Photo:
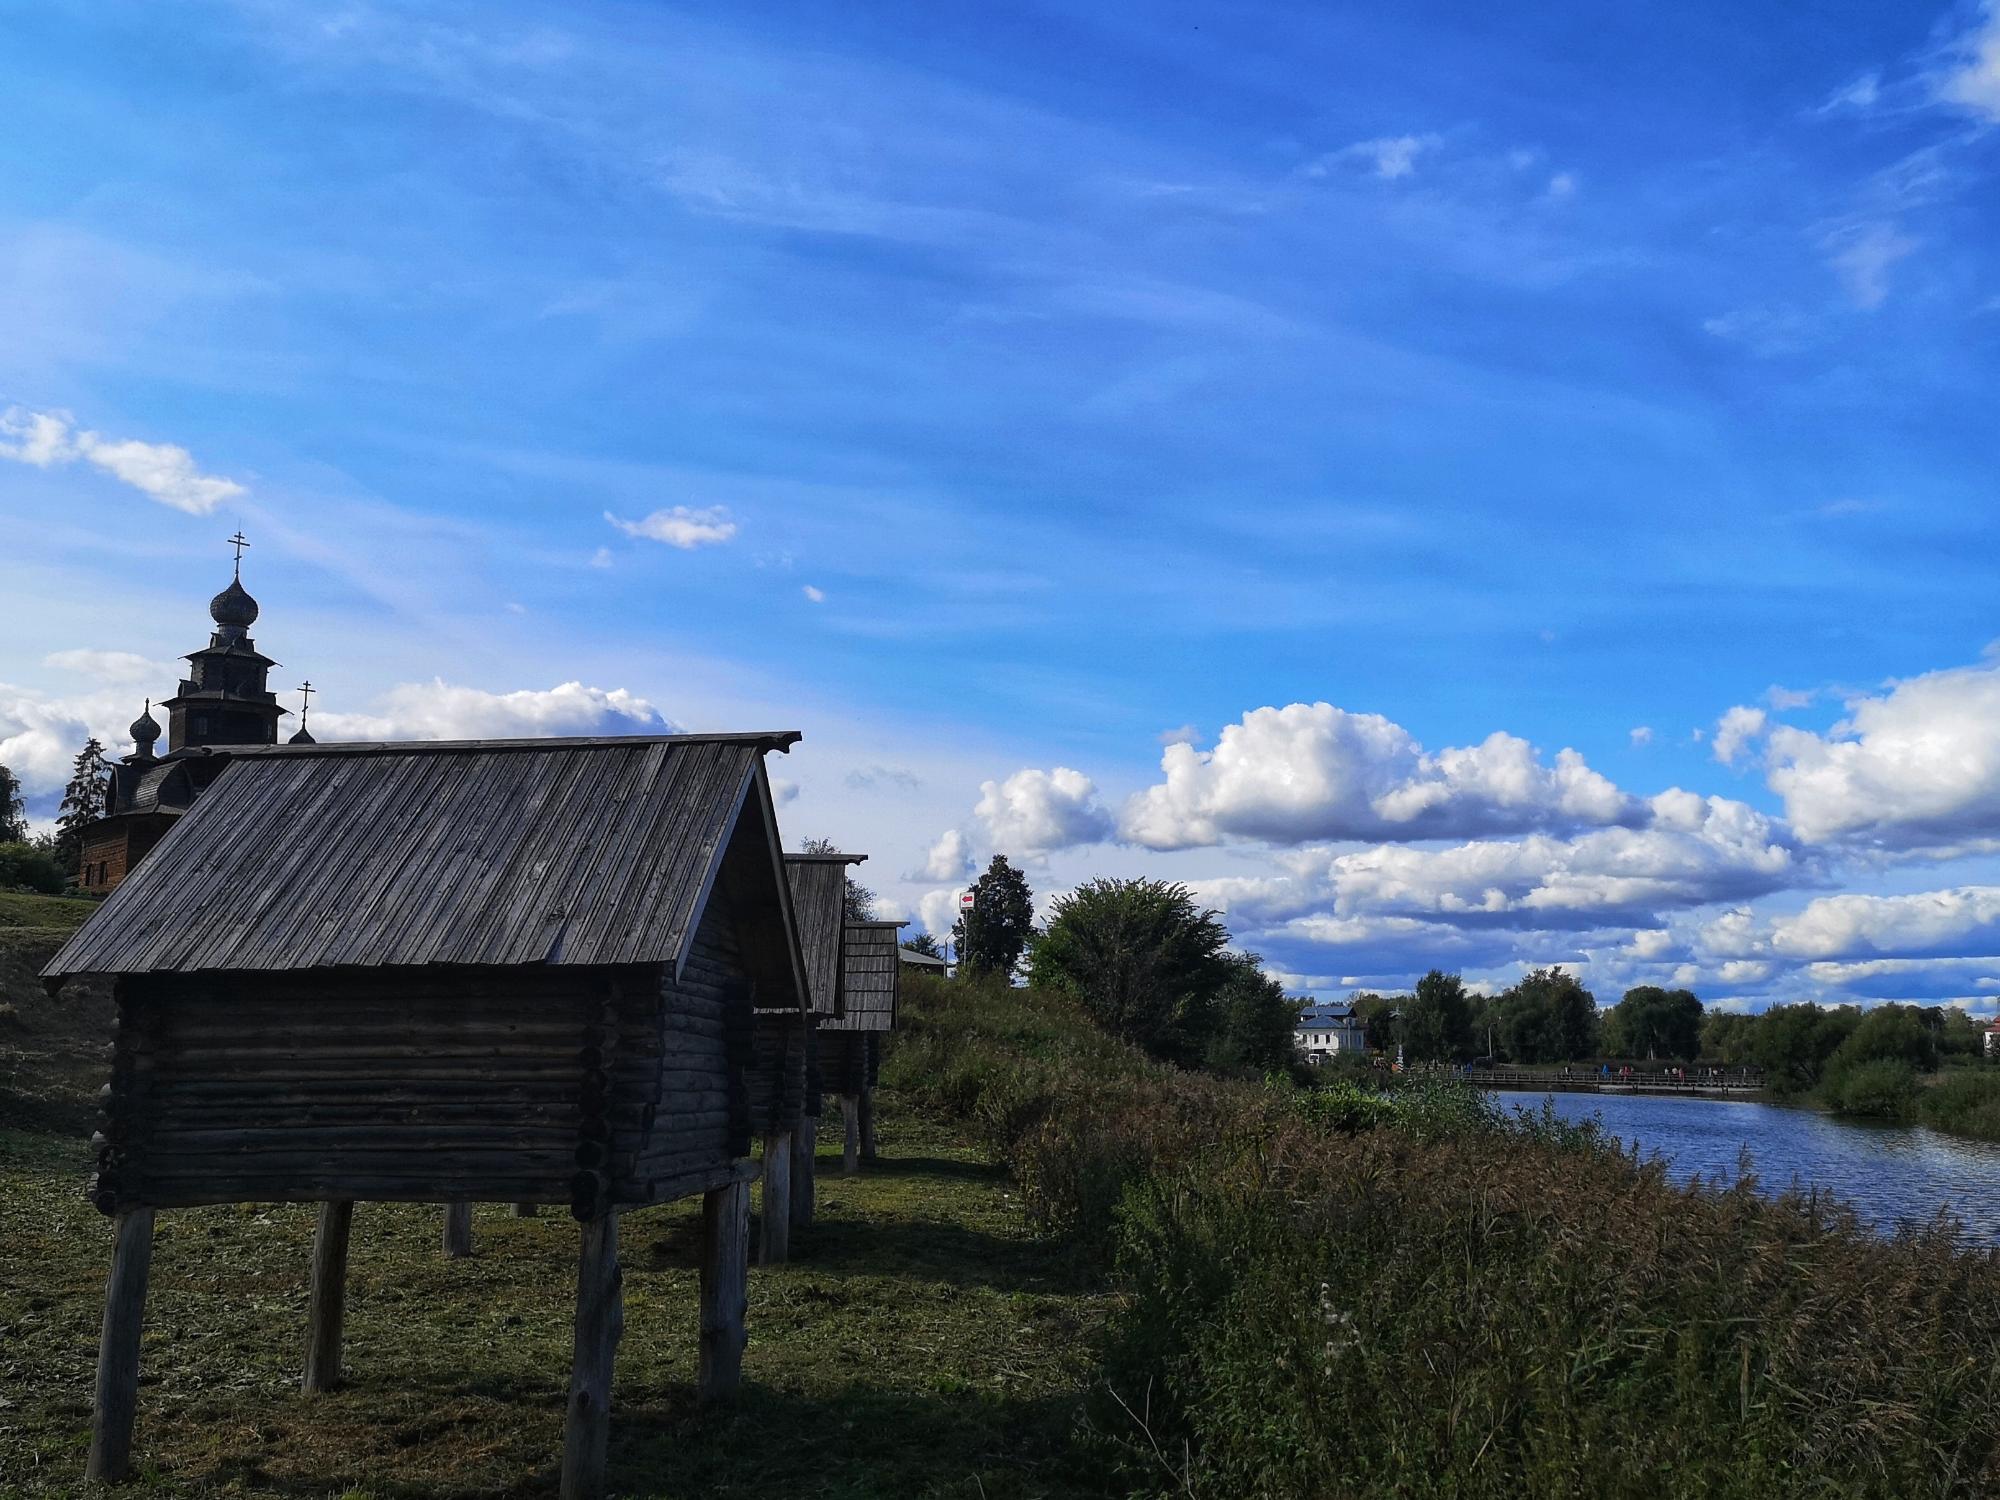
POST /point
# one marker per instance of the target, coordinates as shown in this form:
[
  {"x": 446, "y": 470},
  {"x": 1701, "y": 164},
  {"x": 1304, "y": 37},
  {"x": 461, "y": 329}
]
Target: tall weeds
[{"x": 1418, "y": 1294}]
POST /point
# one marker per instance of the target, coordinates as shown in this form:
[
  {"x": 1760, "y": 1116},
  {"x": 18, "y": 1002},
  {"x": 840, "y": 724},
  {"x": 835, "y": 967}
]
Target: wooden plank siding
[{"x": 871, "y": 977}]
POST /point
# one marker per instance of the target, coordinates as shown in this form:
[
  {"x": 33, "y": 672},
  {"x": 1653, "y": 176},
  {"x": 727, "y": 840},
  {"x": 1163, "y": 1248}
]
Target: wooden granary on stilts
[
  {"x": 819, "y": 900},
  {"x": 523, "y": 971},
  {"x": 850, "y": 1046}
]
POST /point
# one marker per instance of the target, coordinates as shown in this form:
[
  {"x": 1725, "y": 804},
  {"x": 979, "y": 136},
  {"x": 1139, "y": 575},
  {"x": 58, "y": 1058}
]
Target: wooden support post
[
  {"x": 526, "y": 1210},
  {"x": 867, "y": 1124},
  {"x": 850, "y": 1117},
  {"x": 725, "y": 1279},
  {"x": 774, "y": 1222},
  {"x": 457, "y": 1231},
  {"x": 805, "y": 1142},
  {"x": 118, "y": 1350},
  {"x": 328, "y": 1308},
  {"x": 600, "y": 1322}
]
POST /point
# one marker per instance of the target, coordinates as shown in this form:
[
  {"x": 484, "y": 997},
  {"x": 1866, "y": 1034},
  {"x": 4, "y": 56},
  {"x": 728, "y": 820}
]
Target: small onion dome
[
  {"x": 233, "y": 606},
  {"x": 303, "y": 737},
  {"x": 145, "y": 729}
]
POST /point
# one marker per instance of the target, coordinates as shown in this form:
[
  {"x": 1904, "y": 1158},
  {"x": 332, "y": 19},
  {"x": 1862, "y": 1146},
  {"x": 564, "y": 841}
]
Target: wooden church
[
  {"x": 525, "y": 971},
  {"x": 225, "y": 700}
]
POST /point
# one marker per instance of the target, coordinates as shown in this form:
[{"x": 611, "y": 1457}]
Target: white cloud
[
  {"x": 1862, "y": 255},
  {"x": 685, "y": 527},
  {"x": 1694, "y": 851},
  {"x": 1972, "y": 81},
  {"x": 937, "y": 911},
  {"x": 1735, "y": 731},
  {"x": 162, "y": 471},
  {"x": 817, "y": 596},
  {"x": 1308, "y": 772},
  {"x": 1917, "y": 767},
  {"x": 1862, "y": 94},
  {"x": 1037, "y": 812},
  {"x": 950, "y": 858},
  {"x": 442, "y": 711},
  {"x": 1964, "y": 920},
  {"x": 784, "y": 791},
  {"x": 1562, "y": 185},
  {"x": 1783, "y": 699},
  {"x": 119, "y": 668},
  {"x": 601, "y": 558},
  {"x": 1389, "y": 157},
  {"x": 1642, "y": 736}
]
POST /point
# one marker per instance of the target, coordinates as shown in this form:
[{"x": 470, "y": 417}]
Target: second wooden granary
[
  {"x": 849, "y": 1047},
  {"x": 819, "y": 899},
  {"x": 521, "y": 971}
]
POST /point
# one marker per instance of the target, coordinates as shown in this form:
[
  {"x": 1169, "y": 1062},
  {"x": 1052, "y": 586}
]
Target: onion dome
[
  {"x": 303, "y": 737},
  {"x": 233, "y": 607},
  {"x": 145, "y": 729}
]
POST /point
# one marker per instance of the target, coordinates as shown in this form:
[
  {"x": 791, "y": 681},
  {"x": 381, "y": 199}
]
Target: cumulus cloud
[
  {"x": 816, "y": 596},
  {"x": 162, "y": 471},
  {"x": 1642, "y": 736},
  {"x": 937, "y": 911},
  {"x": 1917, "y": 767},
  {"x": 1309, "y": 772},
  {"x": 1948, "y": 923},
  {"x": 444, "y": 711},
  {"x": 686, "y": 527},
  {"x": 950, "y": 858},
  {"x": 1734, "y": 733},
  {"x": 1693, "y": 851},
  {"x": 1038, "y": 812}
]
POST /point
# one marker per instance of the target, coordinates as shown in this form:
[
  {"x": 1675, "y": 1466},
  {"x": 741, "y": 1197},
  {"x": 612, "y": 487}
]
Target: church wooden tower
[{"x": 224, "y": 700}]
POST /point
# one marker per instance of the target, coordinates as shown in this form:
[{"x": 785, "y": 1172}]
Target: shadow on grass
[
  {"x": 910, "y": 1166},
  {"x": 860, "y": 1442},
  {"x": 934, "y": 1251}
]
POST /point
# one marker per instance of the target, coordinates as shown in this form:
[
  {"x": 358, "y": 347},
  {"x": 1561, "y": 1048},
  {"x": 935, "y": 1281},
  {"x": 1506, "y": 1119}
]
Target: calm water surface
[{"x": 1889, "y": 1173}]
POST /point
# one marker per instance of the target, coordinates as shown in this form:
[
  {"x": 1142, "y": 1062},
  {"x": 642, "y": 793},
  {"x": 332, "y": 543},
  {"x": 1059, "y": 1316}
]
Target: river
[{"x": 1889, "y": 1173}]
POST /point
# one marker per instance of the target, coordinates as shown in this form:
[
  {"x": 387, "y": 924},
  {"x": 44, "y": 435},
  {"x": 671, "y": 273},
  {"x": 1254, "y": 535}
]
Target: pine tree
[
  {"x": 13, "y": 813},
  {"x": 83, "y": 803}
]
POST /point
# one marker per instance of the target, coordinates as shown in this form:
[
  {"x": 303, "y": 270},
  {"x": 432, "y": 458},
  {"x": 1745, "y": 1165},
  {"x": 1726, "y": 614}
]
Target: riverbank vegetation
[{"x": 1413, "y": 1292}]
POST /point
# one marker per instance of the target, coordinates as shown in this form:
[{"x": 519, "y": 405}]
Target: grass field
[{"x": 923, "y": 1342}]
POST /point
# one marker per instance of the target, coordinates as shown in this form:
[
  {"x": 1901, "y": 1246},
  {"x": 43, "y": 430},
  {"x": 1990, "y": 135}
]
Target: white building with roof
[{"x": 1325, "y": 1030}]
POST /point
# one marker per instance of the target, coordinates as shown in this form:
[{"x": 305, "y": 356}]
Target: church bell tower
[{"x": 225, "y": 699}]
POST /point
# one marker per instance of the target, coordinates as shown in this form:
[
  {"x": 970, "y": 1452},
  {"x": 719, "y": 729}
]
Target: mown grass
[
  {"x": 50, "y": 913},
  {"x": 925, "y": 1341}
]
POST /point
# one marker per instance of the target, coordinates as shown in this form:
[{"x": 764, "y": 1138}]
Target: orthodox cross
[
  {"x": 305, "y": 701},
  {"x": 239, "y": 542}
]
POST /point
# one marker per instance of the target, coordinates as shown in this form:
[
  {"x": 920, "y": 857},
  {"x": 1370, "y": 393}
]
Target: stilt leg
[
  {"x": 118, "y": 1350},
  {"x": 457, "y": 1231},
  {"x": 600, "y": 1321},
  {"x": 805, "y": 1142},
  {"x": 868, "y": 1124},
  {"x": 526, "y": 1210},
  {"x": 725, "y": 1277},
  {"x": 850, "y": 1118},
  {"x": 328, "y": 1310},
  {"x": 774, "y": 1223}
]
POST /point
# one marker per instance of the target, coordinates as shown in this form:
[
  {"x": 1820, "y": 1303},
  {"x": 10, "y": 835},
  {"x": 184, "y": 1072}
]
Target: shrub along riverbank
[{"x": 1419, "y": 1295}]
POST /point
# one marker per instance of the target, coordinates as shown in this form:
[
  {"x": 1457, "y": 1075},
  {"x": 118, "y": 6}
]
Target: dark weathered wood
[
  {"x": 805, "y": 1142},
  {"x": 118, "y": 1348},
  {"x": 600, "y": 1322},
  {"x": 526, "y": 1210},
  {"x": 328, "y": 1309},
  {"x": 457, "y": 1230},
  {"x": 774, "y": 1219},
  {"x": 850, "y": 1120},
  {"x": 725, "y": 1280},
  {"x": 867, "y": 1112}
]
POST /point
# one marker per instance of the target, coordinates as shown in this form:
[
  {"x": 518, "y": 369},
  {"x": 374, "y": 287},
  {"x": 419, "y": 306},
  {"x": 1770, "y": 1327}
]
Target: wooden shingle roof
[
  {"x": 550, "y": 851},
  {"x": 819, "y": 900},
  {"x": 871, "y": 974}
]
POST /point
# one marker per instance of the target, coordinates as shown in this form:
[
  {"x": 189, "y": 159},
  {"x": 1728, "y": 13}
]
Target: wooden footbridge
[{"x": 1577, "y": 1079}]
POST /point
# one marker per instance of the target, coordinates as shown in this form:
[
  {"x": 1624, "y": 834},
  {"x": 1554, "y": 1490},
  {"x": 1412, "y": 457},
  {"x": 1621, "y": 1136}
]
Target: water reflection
[{"x": 1889, "y": 1173}]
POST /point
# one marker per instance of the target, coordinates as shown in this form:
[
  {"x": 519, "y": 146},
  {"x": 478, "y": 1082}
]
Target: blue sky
[{"x": 1139, "y": 439}]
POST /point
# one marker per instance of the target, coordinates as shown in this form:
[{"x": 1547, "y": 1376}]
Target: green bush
[
  {"x": 1965, "y": 1103},
  {"x": 23, "y": 867},
  {"x": 1882, "y": 1088}
]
